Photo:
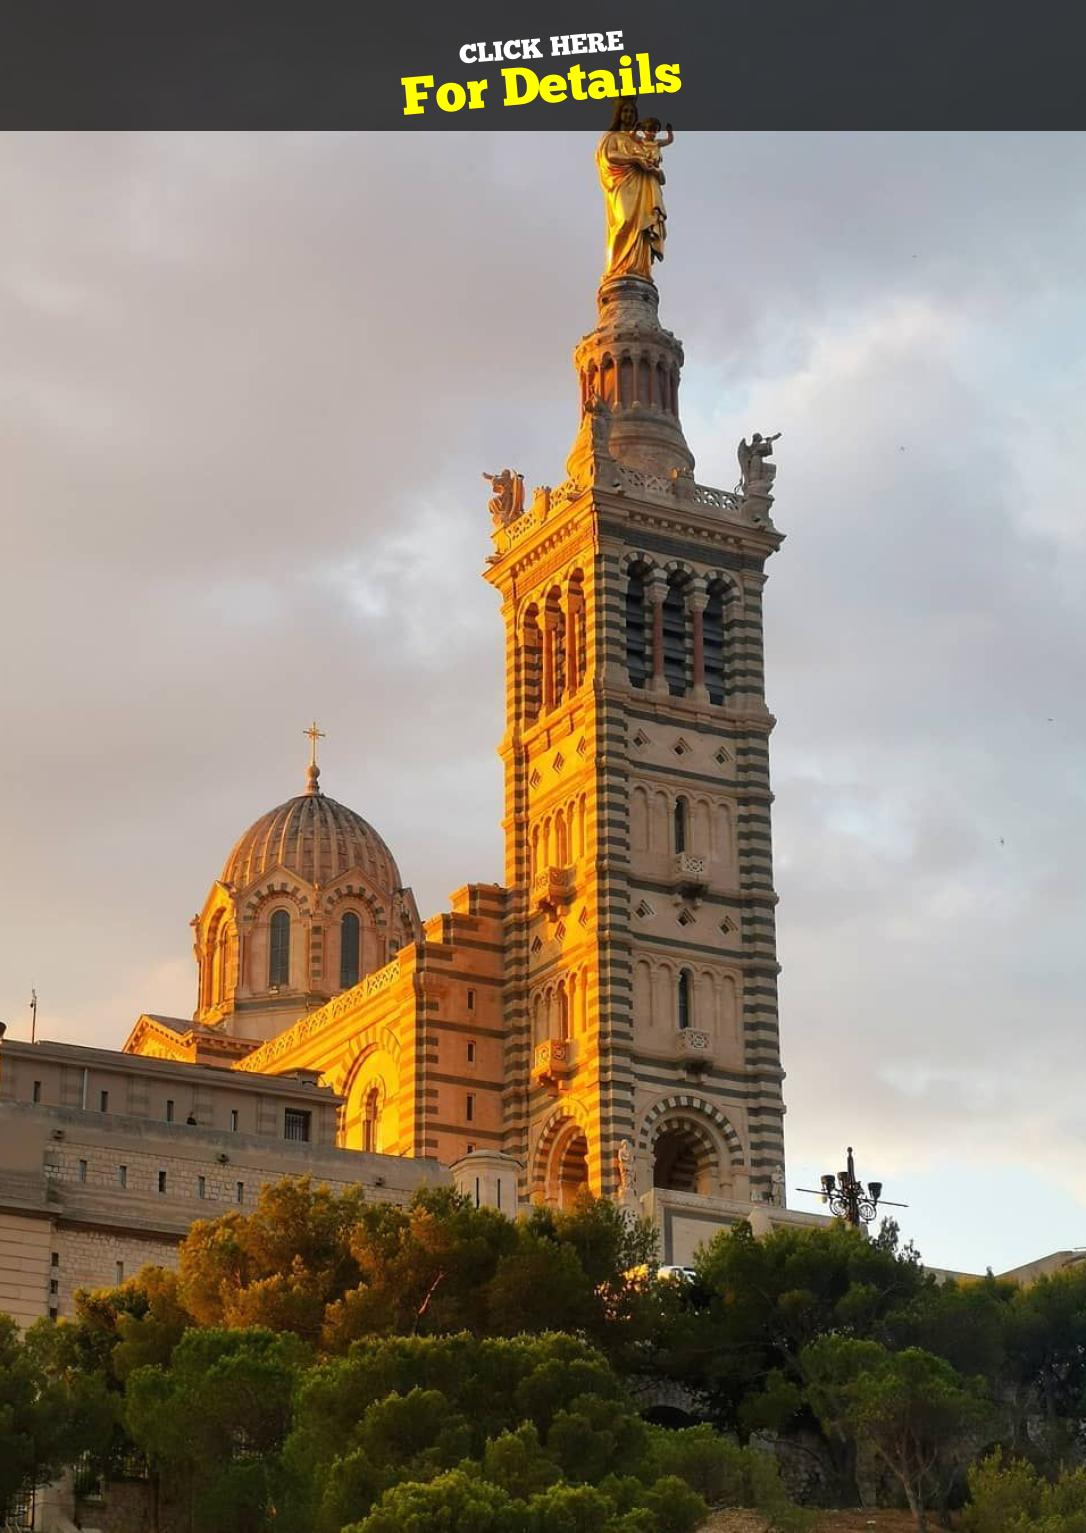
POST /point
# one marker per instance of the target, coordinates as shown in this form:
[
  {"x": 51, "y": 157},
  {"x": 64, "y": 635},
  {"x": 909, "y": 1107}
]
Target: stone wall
[
  {"x": 25, "y": 1244},
  {"x": 89, "y": 1258},
  {"x": 80, "y": 1205}
]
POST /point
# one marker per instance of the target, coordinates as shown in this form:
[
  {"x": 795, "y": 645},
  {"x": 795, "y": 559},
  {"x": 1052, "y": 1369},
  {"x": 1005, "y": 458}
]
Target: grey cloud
[{"x": 247, "y": 389}]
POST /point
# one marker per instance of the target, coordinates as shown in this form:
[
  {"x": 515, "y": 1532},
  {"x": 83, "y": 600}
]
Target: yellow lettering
[
  {"x": 528, "y": 84},
  {"x": 451, "y": 96},
  {"x": 554, "y": 88},
  {"x": 415, "y": 91}
]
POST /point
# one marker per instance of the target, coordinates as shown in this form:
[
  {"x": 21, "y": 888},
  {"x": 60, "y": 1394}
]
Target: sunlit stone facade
[{"x": 607, "y": 1018}]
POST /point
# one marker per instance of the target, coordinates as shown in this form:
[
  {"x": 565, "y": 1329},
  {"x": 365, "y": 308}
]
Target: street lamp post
[{"x": 848, "y": 1198}]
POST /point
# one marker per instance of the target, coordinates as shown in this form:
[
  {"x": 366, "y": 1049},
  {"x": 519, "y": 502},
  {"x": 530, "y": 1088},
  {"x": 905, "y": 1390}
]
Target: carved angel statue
[
  {"x": 507, "y": 501},
  {"x": 776, "y": 1186},
  {"x": 756, "y": 472},
  {"x": 627, "y": 1173}
]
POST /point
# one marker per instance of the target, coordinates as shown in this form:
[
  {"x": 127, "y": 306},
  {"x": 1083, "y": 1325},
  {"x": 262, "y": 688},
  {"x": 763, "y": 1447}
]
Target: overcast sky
[{"x": 247, "y": 389}]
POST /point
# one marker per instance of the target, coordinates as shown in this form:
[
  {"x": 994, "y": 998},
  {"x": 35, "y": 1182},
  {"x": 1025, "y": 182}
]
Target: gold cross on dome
[{"x": 313, "y": 734}]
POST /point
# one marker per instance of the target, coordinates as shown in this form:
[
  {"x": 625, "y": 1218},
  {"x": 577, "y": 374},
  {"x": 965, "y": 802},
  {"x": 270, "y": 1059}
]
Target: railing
[
  {"x": 720, "y": 500},
  {"x": 691, "y": 874},
  {"x": 551, "y": 888},
  {"x": 552, "y": 1060},
  {"x": 693, "y": 1044}
]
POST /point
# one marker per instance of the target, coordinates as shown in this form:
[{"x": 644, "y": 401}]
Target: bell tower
[{"x": 642, "y": 1054}]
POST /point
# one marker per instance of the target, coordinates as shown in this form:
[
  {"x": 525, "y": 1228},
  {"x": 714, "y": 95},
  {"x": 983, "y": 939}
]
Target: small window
[
  {"x": 53, "y": 1312},
  {"x": 82, "y": 1170},
  {"x": 54, "y": 1285},
  {"x": 471, "y": 1051},
  {"x": 279, "y": 949},
  {"x": 239, "y": 1192},
  {"x": 120, "y": 1272},
  {"x": 471, "y": 1000},
  {"x": 162, "y": 1181},
  {"x": 54, "y": 1260},
  {"x": 169, "y": 1109},
  {"x": 122, "y": 1176},
  {"x": 35, "y": 1092},
  {"x": 234, "y": 1119},
  {"x": 103, "y": 1101},
  {"x": 296, "y": 1124},
  {"x": 349, "y": 945},
  {"x": 684, "y": 999},
  {"x": 201, "y": 1186},
  {"x": 680, "y": 825},
  {"x": 469, "y": 1111},
  {"x": 470, "y": 1150},
  {"x": 477, "y": 1200}
]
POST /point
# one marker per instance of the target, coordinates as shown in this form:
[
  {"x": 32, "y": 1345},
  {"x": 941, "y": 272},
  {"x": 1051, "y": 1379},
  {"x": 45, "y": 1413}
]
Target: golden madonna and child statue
[
  {"x": 628, "y": 159},
  {"x": 629, "y": 164}
]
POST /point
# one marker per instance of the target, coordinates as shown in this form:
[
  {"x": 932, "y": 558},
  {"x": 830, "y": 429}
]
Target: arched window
[
  {"x": 561, "y": 840},
  {"x": 637, "y": 657},
  {"x": 212, "y": 958},
  {"x": 576, "y": 637},
  {"x": 713, "y": 635},
  {"x": 644, "y": 387},
  {"x": 222, "y": 961},
  {"x": 371, "y": 1120},
  {"x": 532, "y": 661},
  {"x": 349, "y": 941},
  {"x": 684, "y": 999},
  {"x": 680, "y": 824},
  {"x": 279, "y": 949},
  {"x": 554, "y": 650},
  {"x": 607, "y": 380},
  {"x": 675, "y": 660},
  {"x": 563, "y": 1013}
]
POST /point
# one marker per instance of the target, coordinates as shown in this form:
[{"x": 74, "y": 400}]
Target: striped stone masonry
[{"x": 639, "y": 927}]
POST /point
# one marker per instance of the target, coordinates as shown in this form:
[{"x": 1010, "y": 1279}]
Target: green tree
[
  {"x": 1010, "y": 1496},
  {"x": 912, "y": 1408},
  {"x": 213, "y": 1421},
  {"x": 51, "y": 1407},
  {"x": 758, "y": 1303},
  {"x": 454, "y": 1503},
  {"x": 279, "y": 1267},
  {"x": 516, "y": 1461},
  {"x": 421, "y": 1270},
  {"x": 1045, "y": 1373}
]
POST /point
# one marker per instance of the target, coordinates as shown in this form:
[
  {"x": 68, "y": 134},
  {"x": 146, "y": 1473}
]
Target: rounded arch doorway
[
  {"x": 684, "y": 1159},
  {"x": 563, "y": 1161}
]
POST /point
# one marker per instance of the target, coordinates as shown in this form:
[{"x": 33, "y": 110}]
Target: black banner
[{"x": 346, "y": 64}]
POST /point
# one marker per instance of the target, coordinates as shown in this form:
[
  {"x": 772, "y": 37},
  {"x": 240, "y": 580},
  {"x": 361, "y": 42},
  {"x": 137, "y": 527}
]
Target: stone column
[
  {"x": 656, "y": 594},
  {"x": 697, "y": 600}
]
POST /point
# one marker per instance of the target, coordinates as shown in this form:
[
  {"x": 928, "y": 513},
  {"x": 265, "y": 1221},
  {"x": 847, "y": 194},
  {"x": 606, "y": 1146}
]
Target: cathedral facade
[{"x": 605, "y": 1019}]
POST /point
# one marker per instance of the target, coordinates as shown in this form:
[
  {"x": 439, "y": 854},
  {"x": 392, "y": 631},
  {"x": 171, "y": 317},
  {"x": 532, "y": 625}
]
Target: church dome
[{"x": 316, "y": 838}]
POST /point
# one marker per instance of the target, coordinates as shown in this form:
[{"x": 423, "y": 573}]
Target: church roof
[{"x": 316, "y": 838}]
